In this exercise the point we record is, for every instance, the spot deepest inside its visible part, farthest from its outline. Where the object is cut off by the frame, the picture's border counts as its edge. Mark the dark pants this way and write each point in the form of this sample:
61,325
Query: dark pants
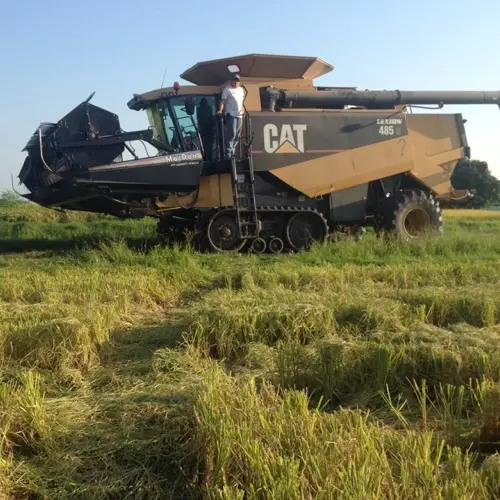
234,124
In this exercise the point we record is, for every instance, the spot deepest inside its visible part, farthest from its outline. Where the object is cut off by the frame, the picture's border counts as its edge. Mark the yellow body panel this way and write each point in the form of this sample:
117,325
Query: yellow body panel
347,169
437,146
215,191
429,153
433,134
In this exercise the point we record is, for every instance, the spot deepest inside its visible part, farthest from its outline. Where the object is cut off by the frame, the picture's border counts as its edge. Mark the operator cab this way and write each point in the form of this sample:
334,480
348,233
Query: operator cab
188,123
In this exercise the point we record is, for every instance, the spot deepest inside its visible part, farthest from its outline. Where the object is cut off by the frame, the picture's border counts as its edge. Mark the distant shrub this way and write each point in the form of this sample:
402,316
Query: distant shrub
11,198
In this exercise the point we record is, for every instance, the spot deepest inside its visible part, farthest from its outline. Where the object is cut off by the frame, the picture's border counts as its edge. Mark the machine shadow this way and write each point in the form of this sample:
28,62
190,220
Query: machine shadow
131,351
72,244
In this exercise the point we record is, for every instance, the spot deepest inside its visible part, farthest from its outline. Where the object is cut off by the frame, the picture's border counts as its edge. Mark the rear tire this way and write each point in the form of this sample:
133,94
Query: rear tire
414,215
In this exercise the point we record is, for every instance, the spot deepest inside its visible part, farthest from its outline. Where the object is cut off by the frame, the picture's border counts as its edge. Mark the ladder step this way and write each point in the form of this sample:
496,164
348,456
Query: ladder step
244,192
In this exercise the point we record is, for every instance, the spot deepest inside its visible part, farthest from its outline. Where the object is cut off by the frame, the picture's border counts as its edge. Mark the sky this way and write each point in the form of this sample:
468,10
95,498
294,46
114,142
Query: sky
54,53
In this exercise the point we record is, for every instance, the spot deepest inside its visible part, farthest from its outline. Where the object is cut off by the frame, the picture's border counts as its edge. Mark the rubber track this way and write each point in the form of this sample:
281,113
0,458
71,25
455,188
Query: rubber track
261,209
276,209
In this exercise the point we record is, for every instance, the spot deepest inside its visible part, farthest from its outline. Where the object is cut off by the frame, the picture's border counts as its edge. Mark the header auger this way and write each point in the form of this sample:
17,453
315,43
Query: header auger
311,160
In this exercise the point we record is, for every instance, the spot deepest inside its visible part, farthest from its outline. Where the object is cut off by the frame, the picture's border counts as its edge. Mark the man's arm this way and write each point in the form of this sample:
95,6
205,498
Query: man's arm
222,101
221,106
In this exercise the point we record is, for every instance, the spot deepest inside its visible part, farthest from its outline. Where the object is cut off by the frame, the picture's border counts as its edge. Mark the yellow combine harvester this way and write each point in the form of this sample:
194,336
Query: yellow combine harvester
311,160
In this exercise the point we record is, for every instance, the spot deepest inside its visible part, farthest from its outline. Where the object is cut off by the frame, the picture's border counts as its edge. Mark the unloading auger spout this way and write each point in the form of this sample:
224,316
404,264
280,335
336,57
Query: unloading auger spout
377,99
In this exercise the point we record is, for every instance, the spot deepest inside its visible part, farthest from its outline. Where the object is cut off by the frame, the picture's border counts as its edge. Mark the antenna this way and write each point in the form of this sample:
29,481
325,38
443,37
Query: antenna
12,184
164,73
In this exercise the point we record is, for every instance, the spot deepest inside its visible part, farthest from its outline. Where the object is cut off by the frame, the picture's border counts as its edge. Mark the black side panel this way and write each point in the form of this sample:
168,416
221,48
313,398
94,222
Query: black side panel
349,205
271,191
287,138
176,172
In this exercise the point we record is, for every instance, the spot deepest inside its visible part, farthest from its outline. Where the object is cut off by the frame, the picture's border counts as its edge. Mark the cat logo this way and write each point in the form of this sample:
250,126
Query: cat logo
290,139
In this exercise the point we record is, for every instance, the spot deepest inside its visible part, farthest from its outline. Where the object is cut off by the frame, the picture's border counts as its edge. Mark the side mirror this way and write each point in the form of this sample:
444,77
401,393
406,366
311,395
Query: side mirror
190,106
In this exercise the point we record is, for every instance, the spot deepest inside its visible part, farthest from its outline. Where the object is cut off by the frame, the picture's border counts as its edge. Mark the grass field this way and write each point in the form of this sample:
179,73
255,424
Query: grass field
357,370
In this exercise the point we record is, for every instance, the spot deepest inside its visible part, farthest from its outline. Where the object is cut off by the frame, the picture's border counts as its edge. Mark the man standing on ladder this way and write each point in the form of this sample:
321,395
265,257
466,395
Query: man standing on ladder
232,101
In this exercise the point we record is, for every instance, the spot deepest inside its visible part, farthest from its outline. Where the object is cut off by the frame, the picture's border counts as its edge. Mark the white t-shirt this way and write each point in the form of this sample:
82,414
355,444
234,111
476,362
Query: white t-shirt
234,100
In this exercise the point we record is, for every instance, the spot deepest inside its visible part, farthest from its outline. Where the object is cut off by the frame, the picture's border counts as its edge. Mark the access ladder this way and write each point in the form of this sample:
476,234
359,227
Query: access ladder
244,197
243,180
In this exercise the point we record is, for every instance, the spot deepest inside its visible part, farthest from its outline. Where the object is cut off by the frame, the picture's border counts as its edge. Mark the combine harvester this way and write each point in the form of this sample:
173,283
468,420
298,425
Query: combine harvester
311,160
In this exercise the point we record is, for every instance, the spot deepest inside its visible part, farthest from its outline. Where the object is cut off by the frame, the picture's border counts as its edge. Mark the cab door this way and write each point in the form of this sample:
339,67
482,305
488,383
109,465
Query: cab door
196,124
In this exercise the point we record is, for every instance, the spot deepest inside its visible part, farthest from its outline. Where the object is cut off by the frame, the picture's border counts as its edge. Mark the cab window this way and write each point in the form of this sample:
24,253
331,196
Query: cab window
202,120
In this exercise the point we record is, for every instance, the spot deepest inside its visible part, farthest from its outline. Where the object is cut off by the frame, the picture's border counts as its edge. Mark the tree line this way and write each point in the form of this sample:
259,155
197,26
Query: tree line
10,198
475,176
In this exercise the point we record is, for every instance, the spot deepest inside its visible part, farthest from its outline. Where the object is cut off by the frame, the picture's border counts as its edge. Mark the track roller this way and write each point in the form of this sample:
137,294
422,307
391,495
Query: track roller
258,245
276,245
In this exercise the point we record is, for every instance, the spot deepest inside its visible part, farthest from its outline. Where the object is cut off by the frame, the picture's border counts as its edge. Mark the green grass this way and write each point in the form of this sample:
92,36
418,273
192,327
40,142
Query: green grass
258,443
356,370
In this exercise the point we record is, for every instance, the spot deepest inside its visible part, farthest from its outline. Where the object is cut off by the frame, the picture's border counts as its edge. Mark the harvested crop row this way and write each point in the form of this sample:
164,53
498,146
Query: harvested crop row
226,322
99,399
252,440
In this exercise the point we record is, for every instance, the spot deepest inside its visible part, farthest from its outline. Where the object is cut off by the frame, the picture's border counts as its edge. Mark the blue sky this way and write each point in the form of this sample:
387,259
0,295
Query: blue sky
54,53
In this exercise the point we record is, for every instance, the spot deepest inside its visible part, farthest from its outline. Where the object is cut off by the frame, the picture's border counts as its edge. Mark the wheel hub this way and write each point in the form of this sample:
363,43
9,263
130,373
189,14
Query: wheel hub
222,233
416,222
225,232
